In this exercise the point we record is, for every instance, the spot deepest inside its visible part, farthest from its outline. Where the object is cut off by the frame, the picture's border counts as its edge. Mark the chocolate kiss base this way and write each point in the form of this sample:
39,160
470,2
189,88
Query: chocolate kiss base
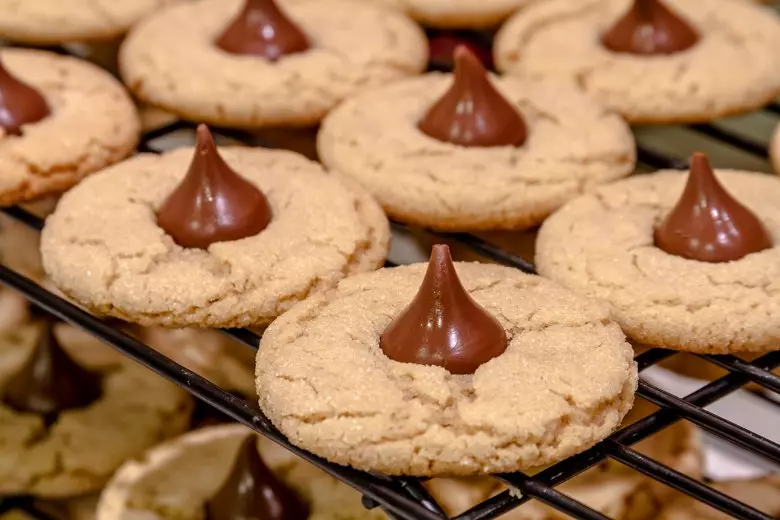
50,382
472,112
262,29
443,325
20,104
707,223
212,203
252,492
649,27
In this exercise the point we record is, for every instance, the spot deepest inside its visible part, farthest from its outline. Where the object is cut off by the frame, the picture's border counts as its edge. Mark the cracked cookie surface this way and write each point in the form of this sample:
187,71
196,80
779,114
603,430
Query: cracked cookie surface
83,447
93,123
565,381
170,60
602,245
103,247
733,68
58,21
573,144
174,480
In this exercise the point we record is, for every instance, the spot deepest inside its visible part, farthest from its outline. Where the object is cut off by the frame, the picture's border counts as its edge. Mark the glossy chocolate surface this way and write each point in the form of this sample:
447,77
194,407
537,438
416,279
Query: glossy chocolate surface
20,104
262,29
650,27
50,382
252,492
472,112
708,224
443,325
212,203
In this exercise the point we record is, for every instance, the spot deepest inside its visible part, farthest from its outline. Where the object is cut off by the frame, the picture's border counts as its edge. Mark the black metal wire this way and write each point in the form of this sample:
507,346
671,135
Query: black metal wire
732,138
230,405
685,484
712,423
554,498
407,497
734,364
630,435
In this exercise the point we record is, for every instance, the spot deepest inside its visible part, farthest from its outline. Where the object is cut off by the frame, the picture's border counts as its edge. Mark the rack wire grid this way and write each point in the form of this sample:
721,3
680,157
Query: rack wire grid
738,142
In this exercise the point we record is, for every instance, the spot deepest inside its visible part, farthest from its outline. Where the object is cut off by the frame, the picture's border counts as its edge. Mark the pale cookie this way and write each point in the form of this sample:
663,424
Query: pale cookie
59,21
83,448
762,494
93,123
170,60
211,354
733,68
602,245
610,488
175,480
103,247
20,247
564,383
14,310
573,144
458,14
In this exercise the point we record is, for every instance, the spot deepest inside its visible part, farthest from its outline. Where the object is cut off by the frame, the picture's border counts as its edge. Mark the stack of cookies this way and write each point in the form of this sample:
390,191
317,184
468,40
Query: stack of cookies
448,370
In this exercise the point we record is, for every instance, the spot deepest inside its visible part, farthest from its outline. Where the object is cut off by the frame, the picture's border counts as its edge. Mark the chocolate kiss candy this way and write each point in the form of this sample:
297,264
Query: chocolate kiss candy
472,112
443,325
707,223
649,27
20,104
212,203
50,382
252,492
262,29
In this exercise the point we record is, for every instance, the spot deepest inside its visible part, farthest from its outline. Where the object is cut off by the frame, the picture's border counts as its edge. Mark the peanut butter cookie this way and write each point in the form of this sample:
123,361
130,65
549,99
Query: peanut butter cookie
63,118
108,247
711,58
183,61
564,381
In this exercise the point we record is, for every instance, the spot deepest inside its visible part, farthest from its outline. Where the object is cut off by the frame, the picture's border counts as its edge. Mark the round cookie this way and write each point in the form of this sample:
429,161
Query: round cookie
103,246
324,382
610,488
48,22
93,123
572,145
733,68
174,480
601,245
167,58
83,447
763,494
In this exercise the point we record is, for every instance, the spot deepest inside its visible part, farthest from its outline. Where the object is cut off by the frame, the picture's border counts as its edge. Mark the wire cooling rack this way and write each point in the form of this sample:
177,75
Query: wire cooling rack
407,498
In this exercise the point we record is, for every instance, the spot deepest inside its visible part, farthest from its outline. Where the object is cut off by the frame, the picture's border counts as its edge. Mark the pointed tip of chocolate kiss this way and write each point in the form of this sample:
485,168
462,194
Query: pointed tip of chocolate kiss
443,325
50,381
261,28
650,27
251,491
465,59
473,112
212,203
20,104
203,137
707,223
